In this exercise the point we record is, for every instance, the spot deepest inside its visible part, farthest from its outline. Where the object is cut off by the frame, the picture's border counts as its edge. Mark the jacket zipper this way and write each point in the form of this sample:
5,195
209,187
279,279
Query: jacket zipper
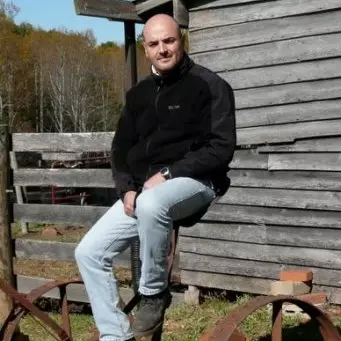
158,89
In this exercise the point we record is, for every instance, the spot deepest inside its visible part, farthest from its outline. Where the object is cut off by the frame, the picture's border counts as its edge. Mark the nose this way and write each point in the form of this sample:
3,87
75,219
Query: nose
162,47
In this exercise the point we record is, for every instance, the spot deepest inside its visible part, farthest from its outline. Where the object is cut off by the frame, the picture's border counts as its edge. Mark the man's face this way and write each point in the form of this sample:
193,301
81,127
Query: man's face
163,45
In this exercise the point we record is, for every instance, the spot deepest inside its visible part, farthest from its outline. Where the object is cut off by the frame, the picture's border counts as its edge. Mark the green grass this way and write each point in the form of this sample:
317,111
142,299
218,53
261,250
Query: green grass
187,323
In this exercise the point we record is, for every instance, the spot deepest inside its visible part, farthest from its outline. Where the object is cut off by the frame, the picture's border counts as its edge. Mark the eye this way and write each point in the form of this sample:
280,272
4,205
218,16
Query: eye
152,44
170,40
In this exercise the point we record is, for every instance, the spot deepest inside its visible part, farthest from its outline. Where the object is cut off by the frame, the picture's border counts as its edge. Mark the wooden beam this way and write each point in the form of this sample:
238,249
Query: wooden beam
116,10
6,246
145,6
180,13
130,55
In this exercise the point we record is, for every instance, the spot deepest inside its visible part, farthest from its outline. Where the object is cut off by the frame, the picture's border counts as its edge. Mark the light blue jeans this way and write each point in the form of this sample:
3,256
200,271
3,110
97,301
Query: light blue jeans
156,208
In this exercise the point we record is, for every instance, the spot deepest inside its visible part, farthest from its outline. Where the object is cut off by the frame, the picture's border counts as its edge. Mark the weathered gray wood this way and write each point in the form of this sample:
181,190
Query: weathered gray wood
118,10
18,191
283,179
257,32
145,6
249,159
242,267
64,177
59,251
245,284
280,52
288,93
330,259
286,73
290,113
288,132
68,214
313,200
273,216
75,292
180,13
63,142
203,4
87,215
305,161
331,144
227,282
267,234
258,11
61,156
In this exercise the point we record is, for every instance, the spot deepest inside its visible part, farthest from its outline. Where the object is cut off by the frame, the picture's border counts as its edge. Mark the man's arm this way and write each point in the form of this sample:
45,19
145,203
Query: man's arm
123,141
220,142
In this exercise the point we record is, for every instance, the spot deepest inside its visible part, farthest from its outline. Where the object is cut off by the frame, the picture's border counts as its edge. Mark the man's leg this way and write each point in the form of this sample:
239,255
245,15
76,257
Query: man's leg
111,235
156,208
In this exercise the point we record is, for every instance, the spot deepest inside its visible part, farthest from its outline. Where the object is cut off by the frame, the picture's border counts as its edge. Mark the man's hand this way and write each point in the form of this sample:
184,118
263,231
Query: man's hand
128,202
153,181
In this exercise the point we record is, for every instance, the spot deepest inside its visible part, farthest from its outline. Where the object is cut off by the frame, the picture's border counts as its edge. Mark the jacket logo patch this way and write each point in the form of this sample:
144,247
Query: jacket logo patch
174,107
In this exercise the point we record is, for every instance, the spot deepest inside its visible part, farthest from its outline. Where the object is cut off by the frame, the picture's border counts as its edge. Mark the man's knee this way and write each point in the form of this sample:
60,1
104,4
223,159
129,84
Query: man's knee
148,205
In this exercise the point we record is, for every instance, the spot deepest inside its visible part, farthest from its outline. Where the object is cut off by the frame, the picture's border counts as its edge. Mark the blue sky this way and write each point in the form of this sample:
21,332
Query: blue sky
54,14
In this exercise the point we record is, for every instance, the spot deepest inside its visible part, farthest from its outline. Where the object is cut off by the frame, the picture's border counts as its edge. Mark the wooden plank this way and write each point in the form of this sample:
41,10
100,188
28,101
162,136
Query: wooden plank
331,144
203,4
279,52
258,11
68,214
305,161
228,282
320,238
145,6
249,159
117,10
288,132
273,216
64,177
257,32
289,113
325,181
329,259
88,215
180,13
312,200
256,269
245,284
63,142
281,74
57,251
75,292
288,93
61,156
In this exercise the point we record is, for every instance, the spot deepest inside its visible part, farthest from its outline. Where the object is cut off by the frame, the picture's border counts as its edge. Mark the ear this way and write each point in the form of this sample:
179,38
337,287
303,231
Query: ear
145,49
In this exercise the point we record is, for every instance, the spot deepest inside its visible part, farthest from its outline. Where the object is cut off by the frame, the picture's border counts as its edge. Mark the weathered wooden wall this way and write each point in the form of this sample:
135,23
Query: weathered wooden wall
283,59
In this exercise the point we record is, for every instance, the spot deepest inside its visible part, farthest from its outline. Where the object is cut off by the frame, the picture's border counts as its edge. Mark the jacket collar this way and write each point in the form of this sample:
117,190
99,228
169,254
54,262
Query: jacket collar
179,70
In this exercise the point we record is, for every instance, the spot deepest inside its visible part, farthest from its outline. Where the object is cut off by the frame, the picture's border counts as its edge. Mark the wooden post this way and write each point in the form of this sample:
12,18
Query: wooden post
6,254
130,54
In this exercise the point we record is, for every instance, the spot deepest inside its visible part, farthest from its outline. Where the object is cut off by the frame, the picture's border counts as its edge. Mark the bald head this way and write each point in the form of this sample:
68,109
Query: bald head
162,42
161,20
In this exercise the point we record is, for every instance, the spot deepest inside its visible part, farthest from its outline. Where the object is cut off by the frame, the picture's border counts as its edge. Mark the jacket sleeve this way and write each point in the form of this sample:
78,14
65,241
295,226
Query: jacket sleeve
123,140
216,152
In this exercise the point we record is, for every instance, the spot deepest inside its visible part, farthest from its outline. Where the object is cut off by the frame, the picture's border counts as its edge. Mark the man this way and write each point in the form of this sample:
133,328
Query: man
171,151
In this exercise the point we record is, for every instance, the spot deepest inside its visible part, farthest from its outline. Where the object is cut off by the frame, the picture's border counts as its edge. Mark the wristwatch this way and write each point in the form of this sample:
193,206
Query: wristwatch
165,172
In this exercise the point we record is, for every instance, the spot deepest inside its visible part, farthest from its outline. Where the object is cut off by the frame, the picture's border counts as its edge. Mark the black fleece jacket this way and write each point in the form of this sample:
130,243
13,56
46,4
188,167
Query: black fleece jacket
185,120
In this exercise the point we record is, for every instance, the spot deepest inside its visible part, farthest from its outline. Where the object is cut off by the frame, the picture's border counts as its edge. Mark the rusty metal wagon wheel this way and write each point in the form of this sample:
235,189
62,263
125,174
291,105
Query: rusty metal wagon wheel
225,329
24,305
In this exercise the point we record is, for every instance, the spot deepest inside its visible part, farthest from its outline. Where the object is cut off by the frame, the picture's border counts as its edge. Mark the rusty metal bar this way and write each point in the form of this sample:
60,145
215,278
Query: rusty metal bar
276,321
66,324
